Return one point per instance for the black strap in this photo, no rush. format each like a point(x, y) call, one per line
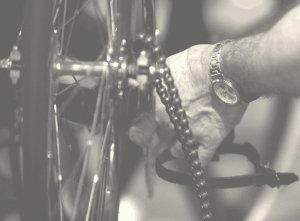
point(263, 175)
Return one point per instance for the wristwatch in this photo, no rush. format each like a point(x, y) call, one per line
point(223, 87)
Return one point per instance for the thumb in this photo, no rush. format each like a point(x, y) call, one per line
point(205, 153)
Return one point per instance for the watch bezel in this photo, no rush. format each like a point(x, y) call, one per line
point(229, 83)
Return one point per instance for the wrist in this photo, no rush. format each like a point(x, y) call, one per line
point(198, 65)
point(233, 67)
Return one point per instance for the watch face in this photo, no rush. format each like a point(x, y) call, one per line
point(226, 91)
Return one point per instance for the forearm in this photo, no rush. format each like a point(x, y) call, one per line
point(268, 62)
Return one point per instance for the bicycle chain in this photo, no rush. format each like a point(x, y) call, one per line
point(169, 96)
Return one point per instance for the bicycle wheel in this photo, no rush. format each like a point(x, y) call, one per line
point(73, 120)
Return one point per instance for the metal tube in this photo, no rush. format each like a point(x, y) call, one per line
point(62, 67)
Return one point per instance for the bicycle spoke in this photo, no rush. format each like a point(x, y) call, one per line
point(56, 9)
point(58, 160)
point(102, 146)
point(99, 169)
point(75, 14)
point(71, 85)
point(82, 165)
point(60, 11)
point(63, 26)
point(71, 30)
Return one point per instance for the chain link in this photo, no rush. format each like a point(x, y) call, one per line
point(169, 96)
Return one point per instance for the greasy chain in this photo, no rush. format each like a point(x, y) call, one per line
point(169, 96)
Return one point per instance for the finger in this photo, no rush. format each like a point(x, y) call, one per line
point(176, 150)
point(209, 131)
point(149, 155)
point(141, 132)
point(205, 154)
point(151, 152)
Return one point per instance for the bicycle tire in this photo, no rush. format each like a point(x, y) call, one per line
point(34, 92)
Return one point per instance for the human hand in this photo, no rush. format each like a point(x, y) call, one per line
point(210, 119)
